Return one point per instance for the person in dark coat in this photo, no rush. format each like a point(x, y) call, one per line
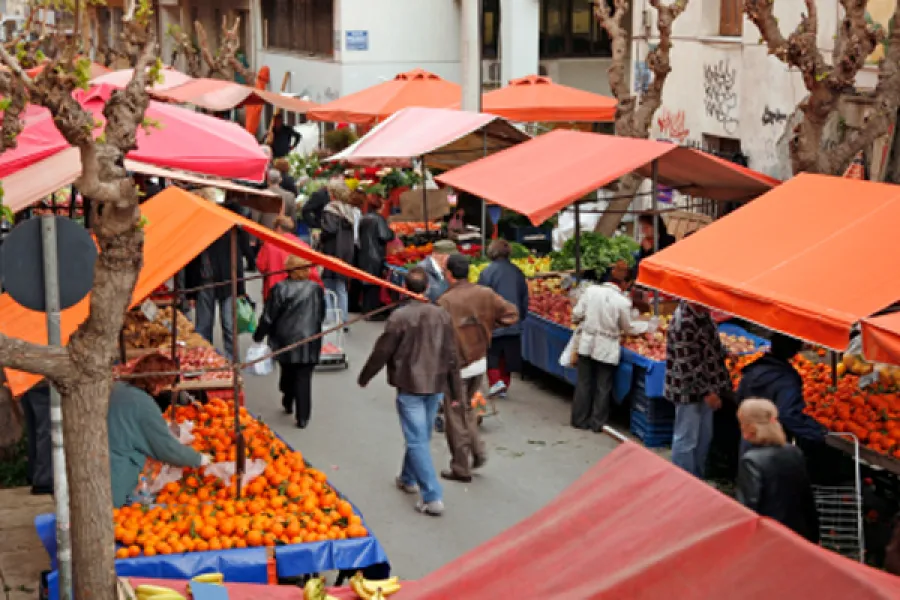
point(288, 183)
point(245, 245)
point(283, 139)
point(505, 354)
point(294, 311)
point(338, 239)
point(772, 478)
point(374, 235)
point(314, 207)
point(666, 239)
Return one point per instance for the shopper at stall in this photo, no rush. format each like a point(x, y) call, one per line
point(288, 200)
point(294, 311)
point(288, 183)
point(505, 354)
point(137, 430)
point(772, 477)
point(272, 258)
point(665, 238)
point(213, 268)
point(374, 235)
point(282, 139)
point(418, 347)
point(315, 206)
point(603, 315)
point(476, 312)
point(338, 240)
point(696, 380)
point(435, 267)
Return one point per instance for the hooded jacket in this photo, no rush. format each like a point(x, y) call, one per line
point(775, 379)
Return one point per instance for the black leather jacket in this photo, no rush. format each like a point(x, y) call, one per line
point(294, 311)
point(772, 480)
point(374, 234)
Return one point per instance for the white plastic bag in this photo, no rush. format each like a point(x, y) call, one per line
point(225, 471)
point(569, 356)
point(149, 487)
point(183, 432)
point(262, 368)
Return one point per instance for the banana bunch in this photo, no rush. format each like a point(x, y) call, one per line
point(475, 271)
point(370, 589)
point(156, 592)
point(315, 590)
point(212, 578)
point(532, 266)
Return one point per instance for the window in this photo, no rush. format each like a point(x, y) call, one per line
point(305, 26)
point(570, 29)
point(490, 29)
point(731, 18)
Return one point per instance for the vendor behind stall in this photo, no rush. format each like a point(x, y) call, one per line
point(137, 430)
point(665, 238)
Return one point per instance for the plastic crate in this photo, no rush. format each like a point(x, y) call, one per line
point(655, 410)
point(652, 435)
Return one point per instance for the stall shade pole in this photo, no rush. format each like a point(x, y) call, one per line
point(834, 376)
point(483, 201)
point(654, 180)
point(577, 242)
point(235, 365)
point(54, 338)
point(424, 196)
point(176, 294)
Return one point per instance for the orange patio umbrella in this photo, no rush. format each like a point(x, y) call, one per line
point(254, 113)
point(535, 98)
point(374, 104)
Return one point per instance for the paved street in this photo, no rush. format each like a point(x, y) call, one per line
point(355, 437)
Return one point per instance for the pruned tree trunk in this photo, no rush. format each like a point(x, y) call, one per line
point(10, 419)
point(82, 371)
point(634, 116)
point(202, 61)
point(828, 82)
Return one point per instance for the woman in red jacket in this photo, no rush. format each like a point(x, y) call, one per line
point(271, 258)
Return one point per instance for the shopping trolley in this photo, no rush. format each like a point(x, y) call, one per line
point(333, 354)
point(840, 511)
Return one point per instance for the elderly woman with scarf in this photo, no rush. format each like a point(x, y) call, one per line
point(338, 239)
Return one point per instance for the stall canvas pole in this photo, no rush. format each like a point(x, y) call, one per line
point(424, 195)
point(54, 338)
point(176, 294)
point(240, 459)
point(577, 242)
point(483, 201)
point(654, 196)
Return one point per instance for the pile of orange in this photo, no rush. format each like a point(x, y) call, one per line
point(290, 503)
point(871, 414)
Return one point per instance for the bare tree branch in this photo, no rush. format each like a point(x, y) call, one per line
point(52, 362)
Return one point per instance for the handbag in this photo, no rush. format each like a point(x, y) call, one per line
point(569, 355)
point(246, 316)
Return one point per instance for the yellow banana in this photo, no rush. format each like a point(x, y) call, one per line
point(167, 594)
point(386, 586)
point(153, 590)
point(314, 589)
point(210, 578)
point(356, 584)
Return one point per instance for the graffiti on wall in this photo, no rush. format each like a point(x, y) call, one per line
point(720, 94)
point(642, 77)
point(772, 116)
point(671, 125)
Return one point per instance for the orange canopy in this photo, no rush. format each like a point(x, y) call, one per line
point(545, 174)
point(179, 227)
point(810, 259)
point(881, 338)
point(374, 104)
point(536, 98)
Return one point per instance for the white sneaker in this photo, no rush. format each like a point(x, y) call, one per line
point(498, 389)
point(434, 508)
point(406, 487)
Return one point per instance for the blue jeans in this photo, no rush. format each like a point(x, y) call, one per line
point(206, 315)
point(693, 436)
point(417, 414)
point(339, 287)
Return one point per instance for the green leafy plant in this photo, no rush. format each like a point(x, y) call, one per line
point(598, 252)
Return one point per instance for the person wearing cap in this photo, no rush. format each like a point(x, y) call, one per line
point(476, 312)
point(294, 311)
point(505, 278)
point(435, 267)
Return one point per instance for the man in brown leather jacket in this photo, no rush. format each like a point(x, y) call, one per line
point(476, 312)
point(418, 347)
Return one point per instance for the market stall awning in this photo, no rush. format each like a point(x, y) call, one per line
point(169, 78)
point(881, 338)
point(219, 95)
point(545, 174)
point(376, 103)
point(184, 140)
point(811, 258)
point(539, 99)
point(447, 138)
point(179, 227)
point(637, 527)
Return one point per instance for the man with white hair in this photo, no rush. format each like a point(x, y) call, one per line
point(289, 201)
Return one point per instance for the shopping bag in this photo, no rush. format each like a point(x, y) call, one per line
point(569, 356)
point(246, 316)
point(262, 368)
point(225, 471)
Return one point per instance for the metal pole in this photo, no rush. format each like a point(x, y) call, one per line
point(483, 201)
point(235, 364)
point(834, 377)
point(654, 180)
point(577, 242)
point(175, 296)
point(424, 196)
point(54, 338)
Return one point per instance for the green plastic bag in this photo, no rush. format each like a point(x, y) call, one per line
point(246, 317)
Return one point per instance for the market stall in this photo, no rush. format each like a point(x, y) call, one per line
point(218, 95)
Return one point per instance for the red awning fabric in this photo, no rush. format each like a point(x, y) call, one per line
point(447, 138)
point(170, 78)
point(376, 103)
point(549, 172)
point(637, 527)
point(180, 225)
point(881, 338)
point(218, 95)
point(204, 144)
point(536, 98)
point(808, 259)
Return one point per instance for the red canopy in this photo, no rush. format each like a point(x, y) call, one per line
point(170, 78)
point(637, 527)
point(536, 98)
point(186, 140)
point(549, 172)
point(881, 338)
point(374, 104)
point(218, 95)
